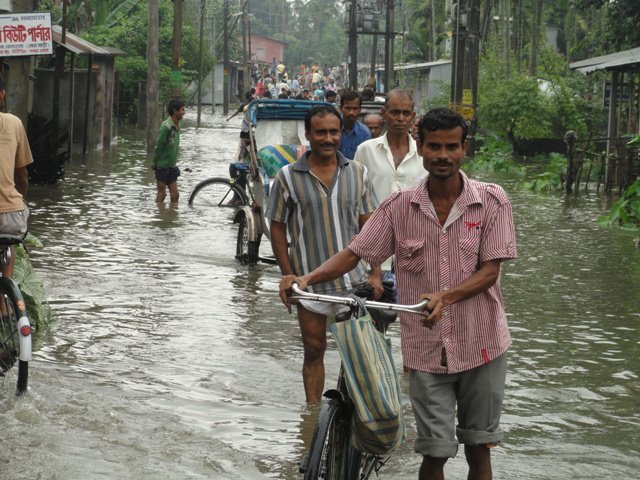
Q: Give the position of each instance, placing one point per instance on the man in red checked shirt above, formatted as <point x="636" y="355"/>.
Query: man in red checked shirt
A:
<point x="449" y="235"/>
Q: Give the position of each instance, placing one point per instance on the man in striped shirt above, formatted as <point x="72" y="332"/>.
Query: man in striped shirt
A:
<point x="323" y="200"/>
<point x="449" y="235"/>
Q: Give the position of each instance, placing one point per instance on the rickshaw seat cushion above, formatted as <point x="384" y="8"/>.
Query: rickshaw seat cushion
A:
<point x="274" y="157"/>
<point x="240" y="166"/>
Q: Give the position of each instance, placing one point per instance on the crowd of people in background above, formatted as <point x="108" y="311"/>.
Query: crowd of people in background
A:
<point x="305" y="82"/>
<point x="316" y="83"/>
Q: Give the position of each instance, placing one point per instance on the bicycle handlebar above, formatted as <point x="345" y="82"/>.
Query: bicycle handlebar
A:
<point x="7" y="239"/>
<point x="417" y="308"/>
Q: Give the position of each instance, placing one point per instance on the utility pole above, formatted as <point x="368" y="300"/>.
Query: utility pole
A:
<point x="200" y="55"/>
<point x="225" y="59"/>
<point x="213" y="71"/>
<point x="249" y="30"/>
<point x="388" y="46"/>
<point x="374" y="53"/>
<point x="245" y="56"/>
<point x="434" y="34"/>
<point x="176" y="76"/>
<point x="353" y="45"/>
<point x="464" y="72"/>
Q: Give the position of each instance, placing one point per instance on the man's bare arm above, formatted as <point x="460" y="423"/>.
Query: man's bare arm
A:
<point x="280" y="246"/>
<point x="375" y="276"/>
<point x="341" y="263"/>
<point x="21" y="179"/>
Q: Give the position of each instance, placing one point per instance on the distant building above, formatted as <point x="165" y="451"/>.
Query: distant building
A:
<point x="87" y="101"/>
<point x="213" y="93"/>
<point x="265" y="49"/>
<point x="426" y="80"/>
<point x="15" y="6"/>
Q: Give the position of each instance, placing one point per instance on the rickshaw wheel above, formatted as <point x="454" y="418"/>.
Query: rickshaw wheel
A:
<point x="246" y="250"/>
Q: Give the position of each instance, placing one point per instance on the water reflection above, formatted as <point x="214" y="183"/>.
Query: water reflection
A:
<point x="168" y="359"/>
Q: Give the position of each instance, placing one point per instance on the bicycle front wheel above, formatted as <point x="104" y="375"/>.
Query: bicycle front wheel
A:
<point x="15" y="333"/>
<point x="328" y="457"/>
<point x="218" y="192"/>
<point x="246" y="249"/>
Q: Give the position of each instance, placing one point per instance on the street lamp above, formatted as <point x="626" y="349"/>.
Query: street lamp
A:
<point x="225" y="60"/>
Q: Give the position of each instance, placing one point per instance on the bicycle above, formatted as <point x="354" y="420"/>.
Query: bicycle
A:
<point x="332" y="456"/>
<point x="15" y="329"/>
<point x="232" y="192"/>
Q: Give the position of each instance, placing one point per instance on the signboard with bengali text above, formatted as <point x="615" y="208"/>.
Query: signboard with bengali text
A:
<point x="25" y="34"/>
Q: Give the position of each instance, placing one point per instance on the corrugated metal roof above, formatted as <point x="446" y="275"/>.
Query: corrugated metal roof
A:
<point x="78" y="45"/>
<point x="114" y="51"/>
<point x="416" y="66"/>
<point x="625" y="60"/>
<point x="421" y="66"/>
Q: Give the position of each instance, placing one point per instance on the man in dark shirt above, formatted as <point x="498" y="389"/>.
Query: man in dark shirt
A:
<point x="353" y="132"/>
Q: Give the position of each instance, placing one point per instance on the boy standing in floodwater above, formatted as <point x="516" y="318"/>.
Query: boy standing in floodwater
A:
<point x="166" y="153"/>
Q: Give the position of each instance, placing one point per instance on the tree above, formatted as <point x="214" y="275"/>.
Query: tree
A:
<point x="622" y="22"/>
<point x="521" y="106"/>
<point x="153" y="80"/>
<point x="307" y="36"/>
<point x="535" y="37"/>
<point x="130" y="34"/>
<point x="427" y="29"/>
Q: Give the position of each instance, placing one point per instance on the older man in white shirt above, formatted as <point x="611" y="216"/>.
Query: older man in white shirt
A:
<point x="392" y="159"/>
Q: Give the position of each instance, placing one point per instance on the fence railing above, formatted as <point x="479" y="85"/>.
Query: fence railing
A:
<point x="607" y="161"/>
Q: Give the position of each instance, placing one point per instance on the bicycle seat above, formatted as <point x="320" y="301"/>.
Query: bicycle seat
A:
<point x="366" y="291"/>
<point x="10" y="239"/>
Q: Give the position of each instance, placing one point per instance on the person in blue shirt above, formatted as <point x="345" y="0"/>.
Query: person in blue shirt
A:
<point x="331" y="96"/>
<point x="353" y="132"/>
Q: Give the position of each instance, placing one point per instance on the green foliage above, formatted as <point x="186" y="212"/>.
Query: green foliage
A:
<point x="442" y="99"/>
<point x="519" y="106"/>
<point x="620" y="23"/>
<point x="120" y="12"/>
<point x="551" y="178"/>
<point x="419" y="44"/>
<point x="493" y="155"/>
<point x="31" y="286"/>
<point x="567" y="93"/>
<point x="625" y="212"/>
<point x="129" y="33"/>
<point x="419" y="39"/>
<point x="315" y="33"/>
<point x="515" y="107"/>
<point x="634" y="142"/>
<point x="333" y="41"/>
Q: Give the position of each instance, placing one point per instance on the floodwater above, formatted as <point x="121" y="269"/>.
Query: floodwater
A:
<point x="170" y="360"/>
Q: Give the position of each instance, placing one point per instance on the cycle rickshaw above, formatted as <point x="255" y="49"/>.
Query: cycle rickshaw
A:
<point x="277" y="138"/>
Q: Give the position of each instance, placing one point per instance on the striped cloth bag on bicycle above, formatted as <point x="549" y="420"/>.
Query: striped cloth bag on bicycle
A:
<point x="378" y="426"/>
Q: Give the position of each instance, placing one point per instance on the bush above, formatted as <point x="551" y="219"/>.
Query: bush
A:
<point x="31" y="286"/>
<point x="517" y="106"/>
<point x="493" y="155"/>
<point x="551" y="178"/>
<point x="625" y="212"/>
